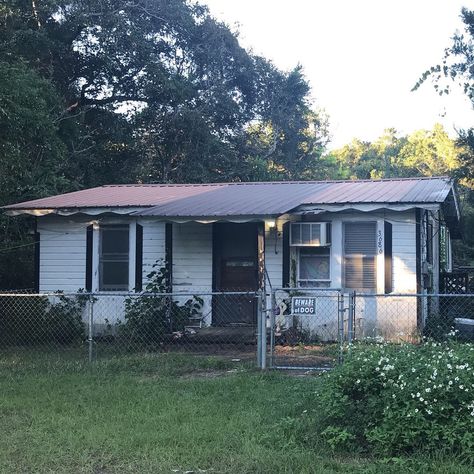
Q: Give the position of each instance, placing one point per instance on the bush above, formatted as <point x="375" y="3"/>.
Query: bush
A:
<point x="398" y="399"/>
<point x="32" y="320"/>
<point x="153" y="318"/>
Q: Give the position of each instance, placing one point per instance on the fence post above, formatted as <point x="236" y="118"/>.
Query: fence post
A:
<point x="340" y="322"/>
<point x="351" y="318"/>
<point x="259" y="331"/>
<point x="272" y="326"/>
<point x="91" y="331"/>
<point x="263" y="331"/>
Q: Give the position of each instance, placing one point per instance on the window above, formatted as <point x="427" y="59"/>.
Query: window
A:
<point x="314" y="267"/>
<point x="360" y="250"/>
<point x="114" y="258"/>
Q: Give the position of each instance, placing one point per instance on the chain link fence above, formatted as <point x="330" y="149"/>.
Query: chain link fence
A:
<point x="306" y="328"/>
<point x="311" y="328"/>
<point x="109" y="324"/>
<point x="289" y="328"/>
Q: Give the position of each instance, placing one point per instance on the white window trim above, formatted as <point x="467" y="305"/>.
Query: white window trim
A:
<point x="96" y="256"/>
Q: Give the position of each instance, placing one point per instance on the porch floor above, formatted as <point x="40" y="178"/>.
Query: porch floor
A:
<point x="224" y="335"/>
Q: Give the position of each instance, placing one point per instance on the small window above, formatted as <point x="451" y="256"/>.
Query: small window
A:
<point x="114" y="258"/>
<point x="360" y="250"/>
<point x="314" y="267"/>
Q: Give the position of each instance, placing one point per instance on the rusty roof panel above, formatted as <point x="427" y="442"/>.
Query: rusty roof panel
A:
<point x="227" y="199"/>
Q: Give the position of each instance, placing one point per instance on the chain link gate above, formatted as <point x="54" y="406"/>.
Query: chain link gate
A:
<point x="308" y="327"/>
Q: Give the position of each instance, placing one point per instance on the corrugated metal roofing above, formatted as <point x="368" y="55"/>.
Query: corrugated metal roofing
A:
<point x="227" y="199"/>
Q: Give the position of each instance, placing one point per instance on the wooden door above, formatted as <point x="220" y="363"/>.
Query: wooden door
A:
<point x="235" y="270"/>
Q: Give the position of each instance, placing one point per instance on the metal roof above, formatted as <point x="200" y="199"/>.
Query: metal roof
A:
<point x="237" y="199"/>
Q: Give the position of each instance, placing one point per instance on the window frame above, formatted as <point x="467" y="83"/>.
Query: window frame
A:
<point x="345" y="255"/>
<point x="116" y="288"/>
<point x="300" y="280"/>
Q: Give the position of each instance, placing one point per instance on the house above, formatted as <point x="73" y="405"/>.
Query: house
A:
<point x="383" y="237"/>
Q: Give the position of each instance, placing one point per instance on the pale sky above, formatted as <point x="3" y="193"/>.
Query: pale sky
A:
<point x="361" y="57"/>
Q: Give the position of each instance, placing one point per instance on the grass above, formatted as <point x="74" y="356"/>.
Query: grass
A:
<point x="164" y="413"/>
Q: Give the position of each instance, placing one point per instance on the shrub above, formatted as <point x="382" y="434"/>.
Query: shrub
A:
<point x="32" y="320"/>
<point x="399" y="399"/>
<point x="155" y="317"/>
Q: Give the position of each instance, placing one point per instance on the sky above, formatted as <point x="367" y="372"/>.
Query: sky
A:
<point x="361" y="57"/>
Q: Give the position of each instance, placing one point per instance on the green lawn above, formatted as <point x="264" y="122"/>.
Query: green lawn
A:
<point x="164" y="413"/>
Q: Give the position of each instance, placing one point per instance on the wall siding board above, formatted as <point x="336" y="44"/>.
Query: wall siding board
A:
<point x="273" y="256"/>
<point x="62" y="255"/>
<point x="153" y="246"/>
<point x="192" y="257"/>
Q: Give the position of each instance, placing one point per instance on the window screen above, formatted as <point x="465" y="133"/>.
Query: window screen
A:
<point x="360" y="250"/>
<point x="114" y="258"/>
<point x="314" y="267"/>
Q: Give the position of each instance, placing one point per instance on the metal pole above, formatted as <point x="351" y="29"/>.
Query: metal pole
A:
<point x="340" y="321"/>
<point x="259" y="331"/>
<point x="350" y="321"/>
<point x="272" y="328"/>
<point x="91" y="322"/>
<point x="263" y="326"/>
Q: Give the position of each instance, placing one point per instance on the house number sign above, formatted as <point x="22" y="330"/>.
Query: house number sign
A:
<point x="301" y="305"/>
<point x="379" y="242"/>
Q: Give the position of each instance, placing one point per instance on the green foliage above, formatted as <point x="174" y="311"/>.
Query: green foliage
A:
<point x="36" y="320"/>
<point x="457" y="63"/>
<point x="154" y="318"/>
<point x="422" y="153"/>
<point x="400" y="399"/>
<point x="100" y="92"/>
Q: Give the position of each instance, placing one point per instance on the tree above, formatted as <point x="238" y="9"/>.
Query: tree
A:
<point x="31" y="158"/>
<point x="457" y="67"/>
<point x="145" y="91"/>
<point x="197" y="102"/>
<point x="422" y="153"/>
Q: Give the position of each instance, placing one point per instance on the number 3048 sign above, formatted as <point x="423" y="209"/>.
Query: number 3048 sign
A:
<point x="302" y="305"/>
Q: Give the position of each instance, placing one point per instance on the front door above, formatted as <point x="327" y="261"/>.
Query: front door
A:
<point x="235" y="258"/>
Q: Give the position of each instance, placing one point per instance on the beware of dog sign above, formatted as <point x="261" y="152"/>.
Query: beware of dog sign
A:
<point x="303" y="305"/>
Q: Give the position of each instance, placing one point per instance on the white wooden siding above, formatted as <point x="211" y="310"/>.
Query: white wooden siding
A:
<point x="274" y="255"/>
<point x="62" y="255"/>
<point x="404" y="255"/>
<point x="192" y="257"/>
<point x="154" y="235"/>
